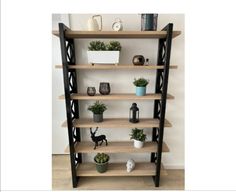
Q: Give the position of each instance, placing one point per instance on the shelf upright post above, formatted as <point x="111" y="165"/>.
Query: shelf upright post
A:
<point x="72" y="107"/>
<point x="164" y="51"/>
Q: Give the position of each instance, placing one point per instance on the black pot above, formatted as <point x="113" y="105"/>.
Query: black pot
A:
<point x="104" y="88"/>
<point x="138" y="60"/>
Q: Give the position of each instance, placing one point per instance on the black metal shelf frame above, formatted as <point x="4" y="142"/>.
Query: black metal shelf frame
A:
<point x="164" y="51"/>
<point x="72" y="106"/>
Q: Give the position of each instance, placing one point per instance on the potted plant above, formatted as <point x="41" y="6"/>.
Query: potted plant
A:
<point x="101" y="53"/>
<point x="101" y="160"/>
<point x="97" y="108"/>
<point x="140" y="84"/>
<point x="138" y="136"/>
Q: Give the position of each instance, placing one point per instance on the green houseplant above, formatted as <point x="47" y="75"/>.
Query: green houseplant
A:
<point x="101" y="160"/>
<point x="97" y="108"/>
<point x="101" y="53"/>
<point x="139" y="137"/>
<point x="140" y="84"/>
<point x="96" y="46"/>
<point x="113" y="46"/>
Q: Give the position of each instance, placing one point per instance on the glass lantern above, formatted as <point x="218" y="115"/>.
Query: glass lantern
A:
<point x="134" y="113"/>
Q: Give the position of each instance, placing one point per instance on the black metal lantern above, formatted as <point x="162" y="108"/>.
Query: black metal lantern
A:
<point x="134" y="113"/>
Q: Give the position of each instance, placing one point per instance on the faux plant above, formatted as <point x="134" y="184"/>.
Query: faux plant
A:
<point x="101" y="46"/>
<point x="141" y="82"/>
<point x="101" y="158"/>
<point x="97" y="46"/>
<point x="138" y="134"/>
<point x="113" y="46"/>
<point x="97" y="108"/>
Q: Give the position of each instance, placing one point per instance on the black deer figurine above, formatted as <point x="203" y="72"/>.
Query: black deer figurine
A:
<point x="96" y="139"/>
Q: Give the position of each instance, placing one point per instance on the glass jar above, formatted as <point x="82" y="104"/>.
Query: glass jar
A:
<point x="91" y="91"/>
<point x="104" y="88"/>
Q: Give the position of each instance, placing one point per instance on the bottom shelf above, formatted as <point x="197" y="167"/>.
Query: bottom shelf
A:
<point x="119" y="169"/>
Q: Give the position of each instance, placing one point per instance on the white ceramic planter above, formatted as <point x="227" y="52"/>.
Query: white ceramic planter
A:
<point x="103" y="57"/>
<point x="138" y="144"/>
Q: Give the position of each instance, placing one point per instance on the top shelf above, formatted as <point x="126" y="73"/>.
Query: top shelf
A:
<point x="118" y="66"/>
<point x="118" y="34"/>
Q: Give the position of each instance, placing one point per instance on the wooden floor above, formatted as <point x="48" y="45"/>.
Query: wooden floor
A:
<point x="61" y="179"/>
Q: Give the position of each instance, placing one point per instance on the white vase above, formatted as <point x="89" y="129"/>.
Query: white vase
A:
<point x="138" y="144"/>
<point x="103" y="57"/>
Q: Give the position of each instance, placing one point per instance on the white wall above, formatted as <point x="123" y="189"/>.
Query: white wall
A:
<point x="121" y="81"/>
<point x="59" y="135"/>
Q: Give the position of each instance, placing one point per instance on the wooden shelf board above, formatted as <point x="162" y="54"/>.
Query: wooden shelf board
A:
<point x="117" y="147"/>
<point x="117" y="34"/>
<point x="116" y="96"/>
<point x="115" y="67"/>
<point x="119" y="169"/>
<point x="117" y="123"/>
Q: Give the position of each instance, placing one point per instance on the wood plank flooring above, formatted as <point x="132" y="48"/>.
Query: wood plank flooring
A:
<point x="61" y="179"/>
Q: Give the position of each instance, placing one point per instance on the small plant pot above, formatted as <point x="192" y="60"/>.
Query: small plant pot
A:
<point x="103" y="57"/>
<point x="138" y="144"/>
<point x="140" y="91"/>
<point x="97" y="118"/>
<point x="101" y="167"/>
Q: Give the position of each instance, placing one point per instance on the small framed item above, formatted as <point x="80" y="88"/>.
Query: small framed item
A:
<point x="117" y="25"/>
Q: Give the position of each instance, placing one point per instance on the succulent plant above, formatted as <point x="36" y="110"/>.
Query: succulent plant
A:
<point x="138" y="134"/>
<point x="101" y="158"/>
<point x="101" y="46"/>
<point x="97" y="108"/>
<point x="113" y="46"/>
<point x="141" y="82"/>
<point x="97" y="46"/>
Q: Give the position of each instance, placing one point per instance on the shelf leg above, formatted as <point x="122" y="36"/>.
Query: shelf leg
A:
<point x="72" y="106"/>
<point x="164" y="52"/>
